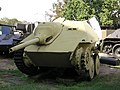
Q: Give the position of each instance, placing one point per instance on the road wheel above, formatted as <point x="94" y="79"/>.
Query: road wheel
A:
<point x="89" y="64"/>
<point x="107" y="48"/>
<point x="97" y="64"/>
<point x="116" y="50"/>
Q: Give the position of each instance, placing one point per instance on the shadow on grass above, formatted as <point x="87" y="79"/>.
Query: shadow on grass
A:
<point x="67" y="77"/>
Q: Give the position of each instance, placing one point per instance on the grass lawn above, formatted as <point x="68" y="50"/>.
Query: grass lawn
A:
<point x="15" y="80"/>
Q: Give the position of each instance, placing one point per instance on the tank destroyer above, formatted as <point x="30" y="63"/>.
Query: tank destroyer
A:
<point x="60" y="44"/>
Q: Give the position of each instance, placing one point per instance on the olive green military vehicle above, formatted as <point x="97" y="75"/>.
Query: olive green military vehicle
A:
<point x="61" y="43"/>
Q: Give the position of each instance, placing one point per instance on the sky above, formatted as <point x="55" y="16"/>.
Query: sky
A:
<point x="25" y="10"/>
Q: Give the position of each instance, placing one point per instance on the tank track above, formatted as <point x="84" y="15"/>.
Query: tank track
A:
<point x="18" y="60"/>
<point x="85" y="70"/>
<point x="81" y="71"/>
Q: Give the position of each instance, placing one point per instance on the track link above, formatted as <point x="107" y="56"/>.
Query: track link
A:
<point x="18" y="59"/>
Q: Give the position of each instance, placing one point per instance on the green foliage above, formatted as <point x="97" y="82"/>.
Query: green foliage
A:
<point x="76" y="9"/>
<point x="106" y="11"/>
<point x="8" y="21"/>
<point x="107" y="16"/>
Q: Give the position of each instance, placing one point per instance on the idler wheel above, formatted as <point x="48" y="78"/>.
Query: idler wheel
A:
<point x="116" y="50"/>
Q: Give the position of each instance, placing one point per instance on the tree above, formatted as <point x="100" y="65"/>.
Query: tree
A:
<point x="56" y="10"/>
<point x="8" y="21"/>
<point x="76" y="9"/>
<point x="107" y="15"/>
<point x="103" y="10"/>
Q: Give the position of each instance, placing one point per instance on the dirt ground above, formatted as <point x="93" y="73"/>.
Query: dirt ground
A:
<point x="8" y="64"/>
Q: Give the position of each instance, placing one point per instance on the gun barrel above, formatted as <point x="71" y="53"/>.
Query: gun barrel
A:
<point x="22" y="45"/>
